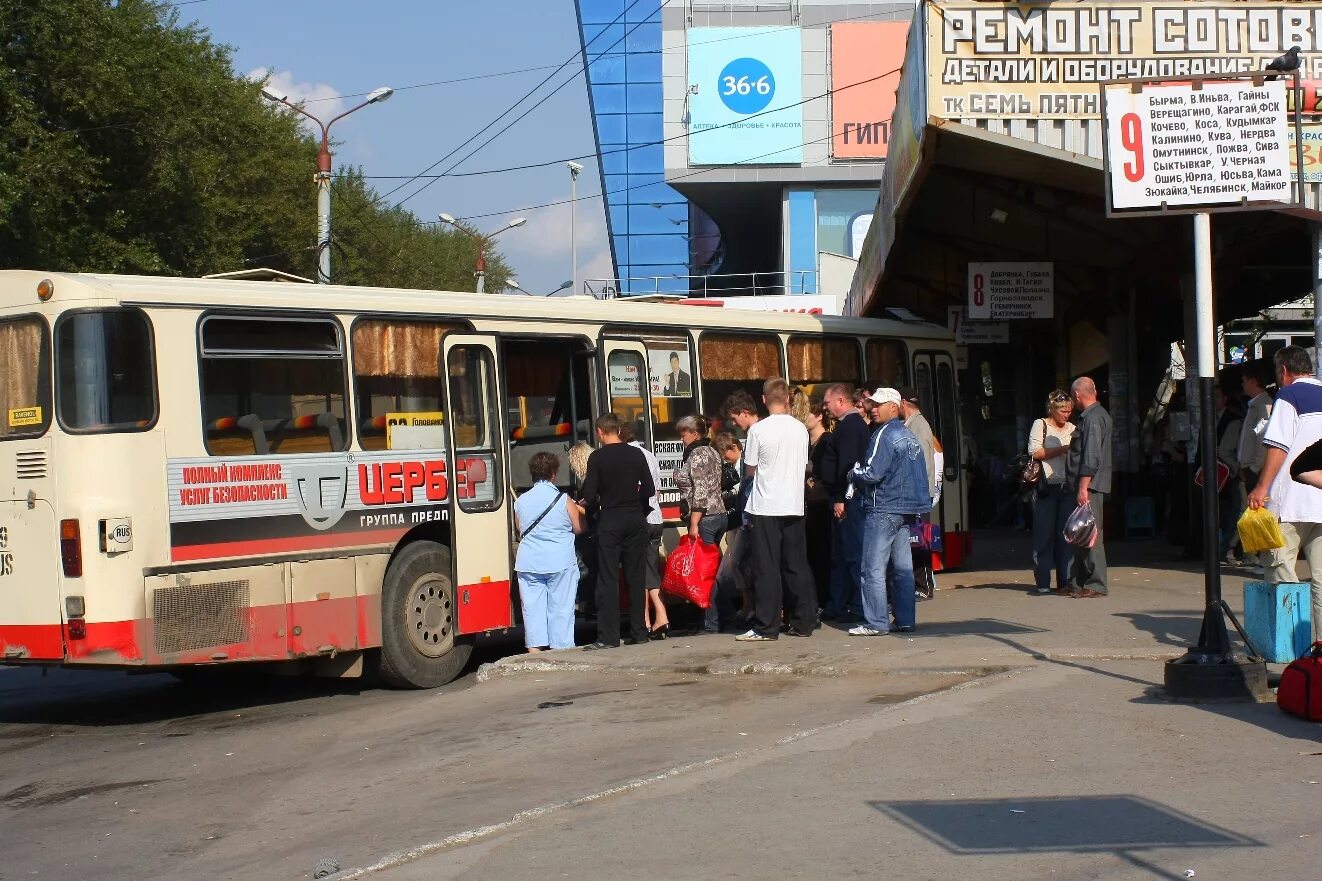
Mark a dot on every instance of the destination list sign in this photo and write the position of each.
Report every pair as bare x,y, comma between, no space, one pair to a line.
1179,146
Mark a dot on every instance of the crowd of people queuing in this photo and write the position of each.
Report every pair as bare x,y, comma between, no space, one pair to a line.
814,507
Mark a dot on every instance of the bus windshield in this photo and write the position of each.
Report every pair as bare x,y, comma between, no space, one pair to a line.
24,378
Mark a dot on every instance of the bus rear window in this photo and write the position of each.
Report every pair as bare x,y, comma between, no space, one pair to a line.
24,378
105,375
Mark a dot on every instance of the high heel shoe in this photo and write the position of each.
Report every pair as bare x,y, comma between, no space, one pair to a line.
660,632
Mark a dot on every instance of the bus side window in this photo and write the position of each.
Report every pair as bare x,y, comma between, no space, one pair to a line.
886,364
272,385
735,361
105,371
819,361
396,375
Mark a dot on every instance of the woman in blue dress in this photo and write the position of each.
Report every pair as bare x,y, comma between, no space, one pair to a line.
547,521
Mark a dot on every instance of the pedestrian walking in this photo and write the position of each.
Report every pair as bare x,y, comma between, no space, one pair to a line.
698,478
776,455
655,616
619,485
893,486
1294,426
851,436
1088,476
547,521
1049,443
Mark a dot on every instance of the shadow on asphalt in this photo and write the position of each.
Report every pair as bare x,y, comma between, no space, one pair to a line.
1124,825
1169,627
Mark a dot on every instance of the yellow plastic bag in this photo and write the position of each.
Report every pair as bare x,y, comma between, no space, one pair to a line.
1260,531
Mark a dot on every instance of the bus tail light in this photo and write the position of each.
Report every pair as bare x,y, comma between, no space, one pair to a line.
77,628
71,549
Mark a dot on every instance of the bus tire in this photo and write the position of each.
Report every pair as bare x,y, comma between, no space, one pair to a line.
420,642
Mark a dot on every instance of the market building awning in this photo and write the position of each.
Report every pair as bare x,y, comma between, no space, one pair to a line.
996,156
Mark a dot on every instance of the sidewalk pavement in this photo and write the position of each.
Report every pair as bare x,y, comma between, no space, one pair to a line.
983,617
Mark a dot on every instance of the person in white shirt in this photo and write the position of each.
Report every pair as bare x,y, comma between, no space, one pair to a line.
1049,442
776,455
1295,424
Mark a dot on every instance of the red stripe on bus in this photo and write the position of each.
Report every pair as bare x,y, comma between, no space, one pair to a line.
256,547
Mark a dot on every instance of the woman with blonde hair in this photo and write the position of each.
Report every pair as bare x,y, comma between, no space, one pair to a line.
1048,442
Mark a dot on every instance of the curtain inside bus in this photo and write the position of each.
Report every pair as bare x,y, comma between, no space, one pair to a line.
25,385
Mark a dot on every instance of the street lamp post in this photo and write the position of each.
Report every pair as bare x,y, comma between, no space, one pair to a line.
323,176
574,169
481,269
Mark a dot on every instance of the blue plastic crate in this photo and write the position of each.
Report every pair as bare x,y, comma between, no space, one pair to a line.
1278,618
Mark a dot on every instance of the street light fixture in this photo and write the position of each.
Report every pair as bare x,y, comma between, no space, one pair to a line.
323,176
481,268
514,285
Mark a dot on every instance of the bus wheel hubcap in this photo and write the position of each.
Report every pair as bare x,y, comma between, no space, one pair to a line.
430,616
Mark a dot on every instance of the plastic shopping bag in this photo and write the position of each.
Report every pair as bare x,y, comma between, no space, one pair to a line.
1259,530
1081,529
691,571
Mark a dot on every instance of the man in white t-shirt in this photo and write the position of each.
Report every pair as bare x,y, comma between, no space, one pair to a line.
1294,425
776,455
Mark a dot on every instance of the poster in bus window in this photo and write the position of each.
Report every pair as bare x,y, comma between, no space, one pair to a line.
624,379
671,373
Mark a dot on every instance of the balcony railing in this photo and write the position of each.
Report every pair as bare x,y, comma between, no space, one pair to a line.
736,284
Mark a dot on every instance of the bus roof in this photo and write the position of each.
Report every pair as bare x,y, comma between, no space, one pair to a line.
18,288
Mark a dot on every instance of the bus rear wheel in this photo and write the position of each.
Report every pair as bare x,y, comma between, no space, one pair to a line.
420,643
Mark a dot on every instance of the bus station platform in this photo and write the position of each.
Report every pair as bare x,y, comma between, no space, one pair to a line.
983,619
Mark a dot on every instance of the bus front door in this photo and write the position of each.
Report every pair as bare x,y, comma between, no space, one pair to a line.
479,497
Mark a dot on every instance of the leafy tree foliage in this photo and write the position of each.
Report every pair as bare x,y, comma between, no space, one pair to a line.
128,144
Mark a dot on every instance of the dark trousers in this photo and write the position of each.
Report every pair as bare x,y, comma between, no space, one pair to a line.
817,521
621,546
1089,570
780,550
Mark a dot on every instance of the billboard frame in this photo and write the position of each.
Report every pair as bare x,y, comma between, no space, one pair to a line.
1258,78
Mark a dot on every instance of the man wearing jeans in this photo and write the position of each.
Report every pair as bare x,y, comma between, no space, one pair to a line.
893,485
1295,425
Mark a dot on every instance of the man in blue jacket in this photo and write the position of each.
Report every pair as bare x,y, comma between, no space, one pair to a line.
892,484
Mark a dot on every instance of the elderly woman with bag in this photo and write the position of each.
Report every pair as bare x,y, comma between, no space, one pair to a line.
699,479
547,521
1048,442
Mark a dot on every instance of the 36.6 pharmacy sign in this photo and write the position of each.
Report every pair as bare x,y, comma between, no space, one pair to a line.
745,95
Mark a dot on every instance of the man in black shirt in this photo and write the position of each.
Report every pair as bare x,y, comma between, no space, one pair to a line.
619,483
851,444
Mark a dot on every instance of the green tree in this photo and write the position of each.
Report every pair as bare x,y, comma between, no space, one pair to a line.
128,144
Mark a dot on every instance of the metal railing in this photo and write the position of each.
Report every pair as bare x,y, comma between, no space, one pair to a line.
734,284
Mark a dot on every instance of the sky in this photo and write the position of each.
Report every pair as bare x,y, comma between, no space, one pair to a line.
321,50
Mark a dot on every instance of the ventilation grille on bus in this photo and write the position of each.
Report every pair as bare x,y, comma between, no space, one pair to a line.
31,464
199,616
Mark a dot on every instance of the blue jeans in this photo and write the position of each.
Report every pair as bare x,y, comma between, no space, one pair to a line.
1052,506
548,607
710,529
846,557
886,549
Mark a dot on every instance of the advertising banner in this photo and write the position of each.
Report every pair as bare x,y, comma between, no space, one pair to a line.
745,96
1172,144
1312,152
865,71
1006,61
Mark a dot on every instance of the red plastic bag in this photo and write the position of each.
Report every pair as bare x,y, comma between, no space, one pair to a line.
691,571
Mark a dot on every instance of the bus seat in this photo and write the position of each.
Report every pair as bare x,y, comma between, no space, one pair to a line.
540,432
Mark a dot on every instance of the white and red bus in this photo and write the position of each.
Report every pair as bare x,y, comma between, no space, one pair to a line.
204,472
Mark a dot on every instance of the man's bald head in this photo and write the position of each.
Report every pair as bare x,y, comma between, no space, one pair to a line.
1084,391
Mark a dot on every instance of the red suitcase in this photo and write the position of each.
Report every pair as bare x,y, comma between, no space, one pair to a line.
1300,691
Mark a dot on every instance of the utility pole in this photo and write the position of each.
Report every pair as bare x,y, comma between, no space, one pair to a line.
322,178
480,270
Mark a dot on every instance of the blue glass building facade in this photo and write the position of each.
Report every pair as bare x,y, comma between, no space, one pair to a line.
648,221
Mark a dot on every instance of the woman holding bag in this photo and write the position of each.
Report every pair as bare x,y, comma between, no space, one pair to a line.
547,521
1048,442
699,478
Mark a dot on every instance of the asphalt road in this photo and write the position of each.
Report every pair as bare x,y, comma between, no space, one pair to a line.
112,776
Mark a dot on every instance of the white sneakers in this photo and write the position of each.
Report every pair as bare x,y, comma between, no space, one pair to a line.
753,636
865,630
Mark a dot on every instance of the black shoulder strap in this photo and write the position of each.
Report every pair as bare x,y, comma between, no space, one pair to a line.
533,525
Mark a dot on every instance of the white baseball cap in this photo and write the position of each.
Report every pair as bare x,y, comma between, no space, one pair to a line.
885,396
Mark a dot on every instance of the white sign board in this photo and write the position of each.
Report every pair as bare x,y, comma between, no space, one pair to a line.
976,333
1009,291
1176,145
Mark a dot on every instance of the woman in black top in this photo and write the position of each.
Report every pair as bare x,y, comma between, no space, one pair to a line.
818,491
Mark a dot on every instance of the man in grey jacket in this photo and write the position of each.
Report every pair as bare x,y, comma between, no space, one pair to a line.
1088,474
